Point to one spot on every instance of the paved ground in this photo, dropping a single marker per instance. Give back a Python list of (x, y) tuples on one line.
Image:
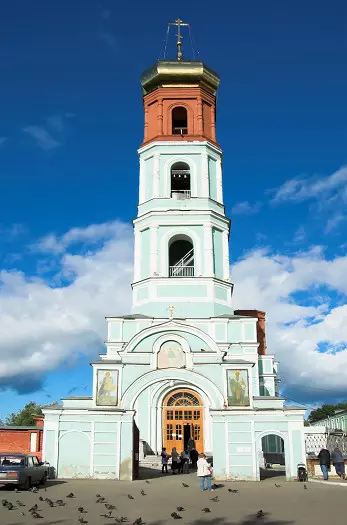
[(288, 504)]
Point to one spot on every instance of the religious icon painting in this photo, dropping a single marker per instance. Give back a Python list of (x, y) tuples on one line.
[(171, 355), (238, 388), (107, 387)]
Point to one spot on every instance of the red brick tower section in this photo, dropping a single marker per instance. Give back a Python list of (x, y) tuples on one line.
[(261, 337), (179, 102)]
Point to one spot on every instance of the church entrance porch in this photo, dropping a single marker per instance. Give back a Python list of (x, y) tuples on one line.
[(182, 420)]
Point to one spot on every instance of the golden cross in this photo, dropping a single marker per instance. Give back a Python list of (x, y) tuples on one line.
[(171, 310), (179, 23)]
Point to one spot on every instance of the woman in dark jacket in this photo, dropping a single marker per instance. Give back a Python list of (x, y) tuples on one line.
[(324, 459)]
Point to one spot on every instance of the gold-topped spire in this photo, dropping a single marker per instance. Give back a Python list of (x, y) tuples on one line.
[(179, 23)]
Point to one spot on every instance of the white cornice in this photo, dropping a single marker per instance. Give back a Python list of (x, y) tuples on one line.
[(181, 143)]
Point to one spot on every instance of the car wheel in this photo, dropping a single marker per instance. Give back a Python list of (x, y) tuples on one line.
[(44, 479), (26, 485)]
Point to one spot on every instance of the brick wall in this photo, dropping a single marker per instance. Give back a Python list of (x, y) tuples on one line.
[(18, 440)]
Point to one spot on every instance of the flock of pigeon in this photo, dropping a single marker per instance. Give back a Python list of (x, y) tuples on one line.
[(35, 511)]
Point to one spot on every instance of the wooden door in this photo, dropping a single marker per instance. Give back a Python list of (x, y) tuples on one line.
[(182, 418)]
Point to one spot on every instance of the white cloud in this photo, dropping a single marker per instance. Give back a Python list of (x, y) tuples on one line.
[(56, 122), (307, 188), (295, 330), (43, 323), (42, 137), (245, 208)]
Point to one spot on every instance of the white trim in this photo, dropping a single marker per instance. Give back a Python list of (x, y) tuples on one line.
[(137, 255), (205, 190), (118, 447), (92, 442), (153, 251), (208, 251), (142, 185), (168, 327), (217, 151), (254, 459), (225, 249), (219, 181), (227, 459)]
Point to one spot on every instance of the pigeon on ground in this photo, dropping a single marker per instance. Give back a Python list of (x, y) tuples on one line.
[(138, 521), (22, 514), (122, 519), (305, 487), (176, 516), (107, 515), (147, 481), (34, 508), (36, 515), (50, 503), (4, 502), (260, 514), (277, 486), (82, 520), (234, 491), (10, 505), (20, 504), (185, 485), (71, 495), (60, 503), (206, 509), (215, 499), (130, 496), (217, 486), (16, 490), (143, 493), (109, 506), (34, 490), (82, 510), (98, 496), (101, 500), (180, 509), (41, 498)]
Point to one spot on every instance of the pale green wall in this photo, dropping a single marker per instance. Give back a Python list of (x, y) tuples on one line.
[(74, 455), (145, 246), (217, 253), (149, 165), (212, 178), (115, 330)]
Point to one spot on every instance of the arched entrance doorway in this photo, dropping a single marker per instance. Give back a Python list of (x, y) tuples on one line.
[(273, 456), (183, 419)]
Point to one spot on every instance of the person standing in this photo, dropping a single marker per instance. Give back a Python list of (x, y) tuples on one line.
[(204, 473), (324, 460), (185, 461), (339, 462), (194, 456), (174, 455), (164, 460)]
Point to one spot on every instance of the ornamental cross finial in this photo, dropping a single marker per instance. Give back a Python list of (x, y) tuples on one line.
[(179, 23), (171, 310)]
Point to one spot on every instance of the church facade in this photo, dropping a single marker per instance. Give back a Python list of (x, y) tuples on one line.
[(184, 364)]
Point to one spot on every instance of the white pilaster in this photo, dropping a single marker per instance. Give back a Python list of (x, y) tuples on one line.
[(219, 181), (226, 271), (153, 261), (137, 255), (156, 176), (205, 190), (208, 251), (142, 185)]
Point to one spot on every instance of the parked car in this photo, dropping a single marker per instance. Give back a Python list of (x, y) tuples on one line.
[(23, 470)]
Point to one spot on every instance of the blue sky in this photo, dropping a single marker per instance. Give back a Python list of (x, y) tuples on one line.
[(71, 122)]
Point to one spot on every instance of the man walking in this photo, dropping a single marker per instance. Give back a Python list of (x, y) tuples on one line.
[(324, 459)]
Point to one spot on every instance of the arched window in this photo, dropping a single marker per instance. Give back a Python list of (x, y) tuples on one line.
[(180, 181), (181, 257), (179, 121)]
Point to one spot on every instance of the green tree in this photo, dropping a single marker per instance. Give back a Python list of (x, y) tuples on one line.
[(24, 417), (325, 411)]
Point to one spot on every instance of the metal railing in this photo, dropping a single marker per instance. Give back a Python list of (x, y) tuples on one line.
[(179, 130), (180, 195), (181, 271)]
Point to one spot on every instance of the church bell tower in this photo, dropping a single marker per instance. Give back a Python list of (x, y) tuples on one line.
[(181, 231)]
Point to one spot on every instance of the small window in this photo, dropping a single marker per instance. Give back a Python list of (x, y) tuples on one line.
[(178, 415), (179, 432), (188, 414), (169, 415), (196, 432), (179, 121), (196, 414), (169, 432)]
